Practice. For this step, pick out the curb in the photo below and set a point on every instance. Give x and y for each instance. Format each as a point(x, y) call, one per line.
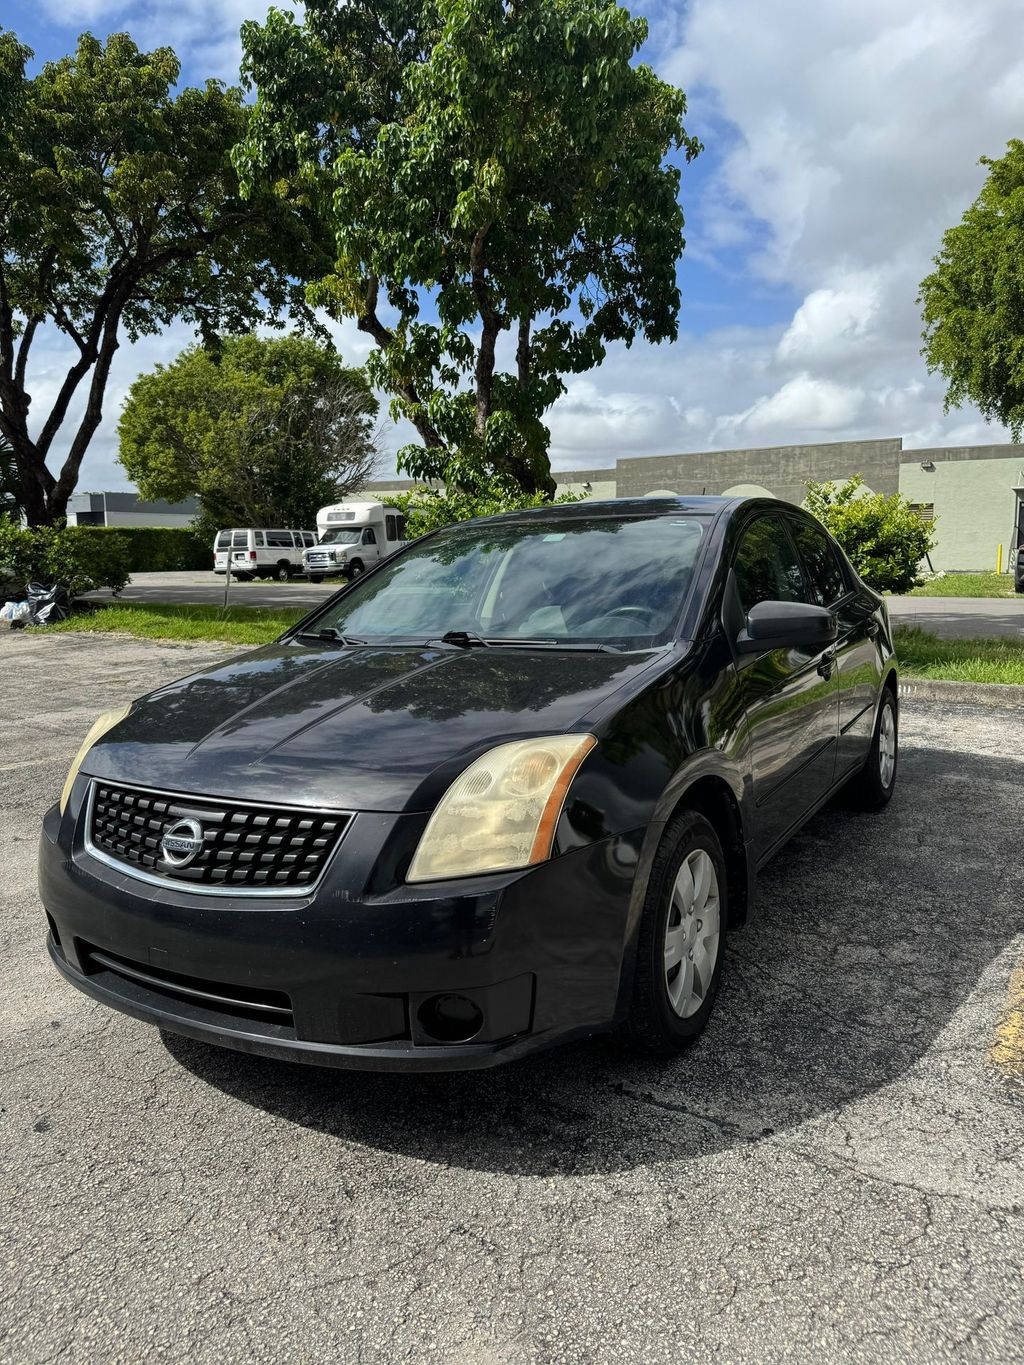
point(1000, 696)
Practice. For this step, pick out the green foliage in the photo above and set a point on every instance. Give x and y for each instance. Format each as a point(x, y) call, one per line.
point(160, 549)
point(119, 208)
point(264, 431)
point(883, 536)
point(10, 484)
point(924, 655)
point(973, 301)
point(428, 509)
point(479, 168)
point(161, 621)
point(74, 556)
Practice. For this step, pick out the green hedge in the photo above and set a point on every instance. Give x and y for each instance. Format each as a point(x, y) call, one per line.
point(164, 549)
point(72, 555)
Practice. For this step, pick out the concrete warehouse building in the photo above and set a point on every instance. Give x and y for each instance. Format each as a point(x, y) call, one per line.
point(128, 509)
point(975, 494)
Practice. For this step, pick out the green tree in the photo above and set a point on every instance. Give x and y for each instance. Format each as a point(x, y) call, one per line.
point(481, 168)
point(264, 430)
point(431, 509)
point(973, 301)
point(883, 536)
point(10, 486)
point(119, 211)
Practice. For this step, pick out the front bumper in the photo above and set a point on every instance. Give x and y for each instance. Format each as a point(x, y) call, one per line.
point(351, 975)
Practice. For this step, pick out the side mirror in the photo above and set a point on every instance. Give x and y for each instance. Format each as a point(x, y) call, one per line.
point(787, 625)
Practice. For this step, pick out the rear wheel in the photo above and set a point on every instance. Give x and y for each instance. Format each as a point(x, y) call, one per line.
point(682, 938)
point(873, 786)
point(283, 571)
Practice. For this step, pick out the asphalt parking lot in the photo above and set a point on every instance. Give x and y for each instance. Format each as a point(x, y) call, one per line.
point(833, 1174)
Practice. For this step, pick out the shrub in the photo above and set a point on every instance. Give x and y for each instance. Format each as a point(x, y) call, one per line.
point(162, 549)
point(70, 555)
point(882, 535)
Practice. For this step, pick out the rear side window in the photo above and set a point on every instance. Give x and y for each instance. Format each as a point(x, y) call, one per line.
point(391, 526)
point(240, 540)
point(828, 582)
point(257, 537)
point(280, 540)
point(766, 566)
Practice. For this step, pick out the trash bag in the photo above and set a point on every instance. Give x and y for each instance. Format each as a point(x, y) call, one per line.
point(16, 613)
point(47, 604)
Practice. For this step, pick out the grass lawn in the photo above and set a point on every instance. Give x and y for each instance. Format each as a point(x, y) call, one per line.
point(157, 621)
point(968, 585)
point(924, 655)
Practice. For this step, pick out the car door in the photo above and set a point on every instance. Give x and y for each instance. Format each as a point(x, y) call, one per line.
point(370, 551)
point(789, 695)
point(858, 657)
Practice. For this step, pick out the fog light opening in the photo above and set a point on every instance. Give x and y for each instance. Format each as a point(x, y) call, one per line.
point(450, 1018)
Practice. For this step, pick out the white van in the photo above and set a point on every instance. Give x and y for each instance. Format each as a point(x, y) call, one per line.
point(260, 553)
point(353, 537)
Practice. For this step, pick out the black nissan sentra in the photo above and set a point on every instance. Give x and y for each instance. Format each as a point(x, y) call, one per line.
point(510, 787)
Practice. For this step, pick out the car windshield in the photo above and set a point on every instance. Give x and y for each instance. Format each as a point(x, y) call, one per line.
point(350, 536)
point(620, 580)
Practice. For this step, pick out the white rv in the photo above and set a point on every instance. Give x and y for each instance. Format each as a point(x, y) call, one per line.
point(352, 537)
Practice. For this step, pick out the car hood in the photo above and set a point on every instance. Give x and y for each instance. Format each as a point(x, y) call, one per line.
point(363, 728)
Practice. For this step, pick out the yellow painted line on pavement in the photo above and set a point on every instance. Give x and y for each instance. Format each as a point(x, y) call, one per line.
point(1007, 1050)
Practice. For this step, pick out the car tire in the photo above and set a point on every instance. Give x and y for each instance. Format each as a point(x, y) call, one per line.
point(873, 786)
point(283, 572)
point(316, 578)
point(355, 570)
point(687, 891)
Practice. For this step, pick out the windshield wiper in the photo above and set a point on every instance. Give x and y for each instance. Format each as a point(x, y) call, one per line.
point(330, 635)
point(468, 639)
point(465, 639)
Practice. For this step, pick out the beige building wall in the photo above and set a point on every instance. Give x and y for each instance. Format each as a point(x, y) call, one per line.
point(971, 489)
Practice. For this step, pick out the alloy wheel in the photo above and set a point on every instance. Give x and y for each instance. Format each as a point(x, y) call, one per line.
point(692, 934)
point(887, 745)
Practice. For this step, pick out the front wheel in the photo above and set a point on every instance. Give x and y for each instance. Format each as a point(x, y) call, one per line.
point(873, 786)
point(355, 570)
point(682, 938)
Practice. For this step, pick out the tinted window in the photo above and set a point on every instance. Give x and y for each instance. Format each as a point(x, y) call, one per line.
point(369, 538)
point(308, 538)
point(257, 537)
point(828, 582)
point(766, 566)
point(622, 580)
point(223, 540)
point(281, 540)
point(240, 540)
point(390, 527)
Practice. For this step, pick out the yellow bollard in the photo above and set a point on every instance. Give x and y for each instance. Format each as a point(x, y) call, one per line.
point(999, 560)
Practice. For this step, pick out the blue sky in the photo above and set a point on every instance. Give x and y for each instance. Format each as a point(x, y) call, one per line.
point(841, 140)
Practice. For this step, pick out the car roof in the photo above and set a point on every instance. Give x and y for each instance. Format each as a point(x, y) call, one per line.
point(618, 507)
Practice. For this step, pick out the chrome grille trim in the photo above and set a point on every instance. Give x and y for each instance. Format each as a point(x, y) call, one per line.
point(192, 888)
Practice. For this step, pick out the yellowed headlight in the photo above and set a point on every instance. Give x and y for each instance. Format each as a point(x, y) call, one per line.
point(100, 726)
point(502, 811)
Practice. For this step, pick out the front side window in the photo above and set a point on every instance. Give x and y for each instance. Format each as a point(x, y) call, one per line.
point(369, 538)
point(766, 566)
point(623, 580)
point(828, 582)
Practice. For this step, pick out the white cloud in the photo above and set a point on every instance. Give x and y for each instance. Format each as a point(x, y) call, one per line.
point(847, 139)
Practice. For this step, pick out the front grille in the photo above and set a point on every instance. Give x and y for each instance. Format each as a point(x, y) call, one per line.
point(244, 847)
point(319, 561)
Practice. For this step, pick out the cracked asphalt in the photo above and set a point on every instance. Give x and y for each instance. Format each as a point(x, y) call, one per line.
point(833, 1174)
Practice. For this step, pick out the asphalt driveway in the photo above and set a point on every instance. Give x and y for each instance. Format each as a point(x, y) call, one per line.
point(833, 1174)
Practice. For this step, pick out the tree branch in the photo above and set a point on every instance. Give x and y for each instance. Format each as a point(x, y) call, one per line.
point(369, 322)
